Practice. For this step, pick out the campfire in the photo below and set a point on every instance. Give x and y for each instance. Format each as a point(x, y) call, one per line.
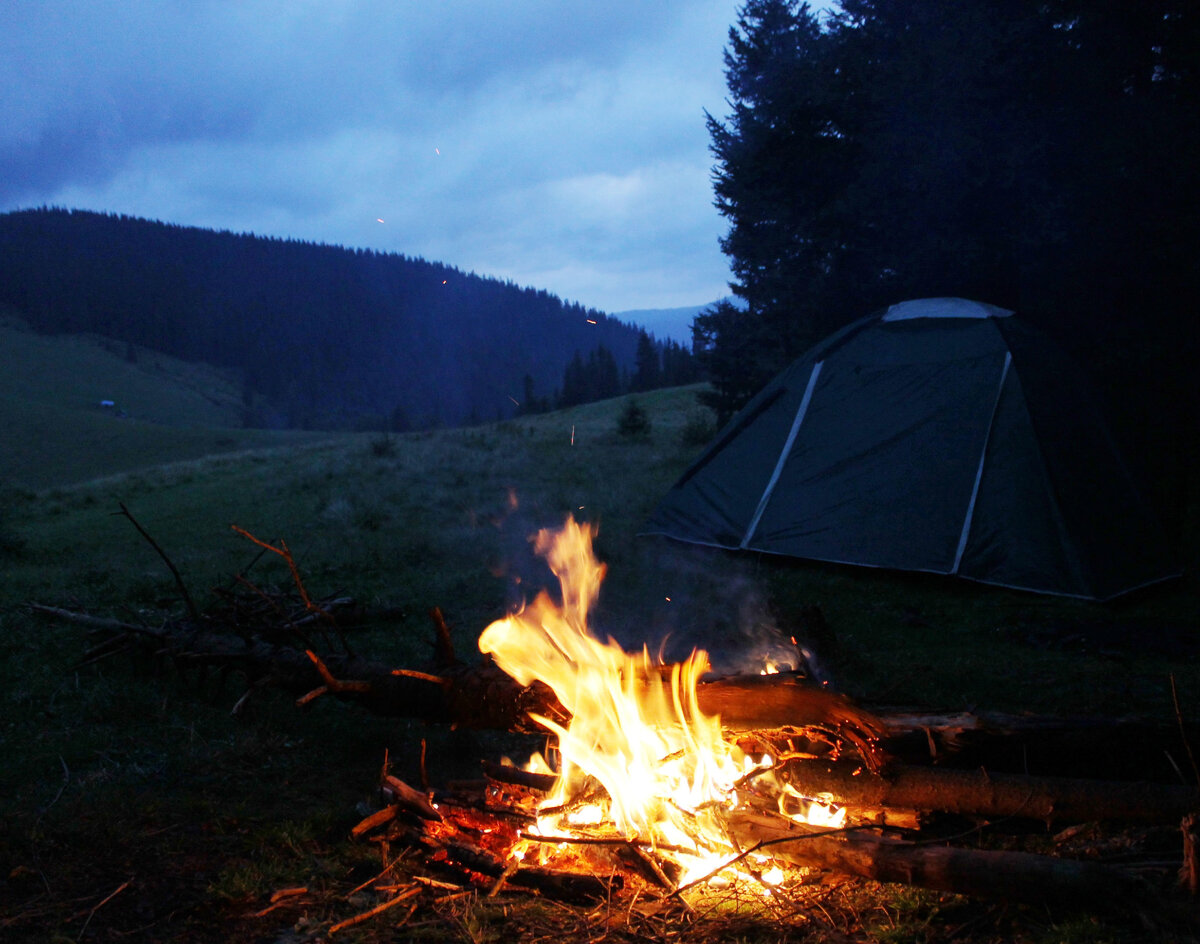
point(638, 778)
point(638, 759)
point(643, 783)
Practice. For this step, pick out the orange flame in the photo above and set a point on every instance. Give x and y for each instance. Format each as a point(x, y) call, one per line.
point(636, 727)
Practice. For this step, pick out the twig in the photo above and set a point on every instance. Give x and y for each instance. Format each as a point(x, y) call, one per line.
point(649, 862)
point(331, 684)
point(375, 820)
point(1189, 871)
point(503, 878)
point(443, 647)
point(86, 619)
point(378, 909)
point(762, 844)
point(183, 590)
point(284, 552)
point(616, 841)
point(423, 676)
point(280, 898)
point(1182, 730)
point(120, 888)
point(65, 781)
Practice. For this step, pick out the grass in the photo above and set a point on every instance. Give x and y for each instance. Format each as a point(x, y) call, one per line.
point(134, 772)
point(54, 430)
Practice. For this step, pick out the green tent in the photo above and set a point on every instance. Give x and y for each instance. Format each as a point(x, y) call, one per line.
point(940, 435)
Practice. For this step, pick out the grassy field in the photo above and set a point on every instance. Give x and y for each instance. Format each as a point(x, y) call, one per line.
point(128, 772)
point(54, 429)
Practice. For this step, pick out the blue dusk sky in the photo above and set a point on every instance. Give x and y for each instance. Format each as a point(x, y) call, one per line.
point(558, 144)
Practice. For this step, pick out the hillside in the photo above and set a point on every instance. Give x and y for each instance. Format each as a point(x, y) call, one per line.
point(318, 336)
point(55, 428)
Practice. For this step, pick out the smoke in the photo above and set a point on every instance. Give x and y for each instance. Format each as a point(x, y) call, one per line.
point(705, 598)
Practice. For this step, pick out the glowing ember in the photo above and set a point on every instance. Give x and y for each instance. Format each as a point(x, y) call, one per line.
point(638, 756)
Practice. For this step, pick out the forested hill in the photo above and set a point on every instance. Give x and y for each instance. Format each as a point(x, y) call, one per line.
point(324, 336)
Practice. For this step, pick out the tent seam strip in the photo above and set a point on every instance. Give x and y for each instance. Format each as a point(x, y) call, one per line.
point(987, 439)
point(783, 455)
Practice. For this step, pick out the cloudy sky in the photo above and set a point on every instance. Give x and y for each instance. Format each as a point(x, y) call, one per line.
point(557, 143)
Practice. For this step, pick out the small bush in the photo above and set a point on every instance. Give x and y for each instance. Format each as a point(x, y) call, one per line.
point(11, 543)
point(634, 422)
point(383, 446)
point(699, 428)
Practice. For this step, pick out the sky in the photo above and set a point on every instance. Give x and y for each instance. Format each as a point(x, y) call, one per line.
point(557, 143)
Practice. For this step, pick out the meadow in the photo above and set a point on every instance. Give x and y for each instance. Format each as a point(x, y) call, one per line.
point(130, 771)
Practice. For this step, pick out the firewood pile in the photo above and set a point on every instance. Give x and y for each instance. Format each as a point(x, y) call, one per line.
point(886, 813)
point(485, 835)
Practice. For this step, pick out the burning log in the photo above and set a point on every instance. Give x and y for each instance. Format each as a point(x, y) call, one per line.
point(980, 793)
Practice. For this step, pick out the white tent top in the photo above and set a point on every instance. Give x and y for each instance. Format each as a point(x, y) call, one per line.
point(943, 308)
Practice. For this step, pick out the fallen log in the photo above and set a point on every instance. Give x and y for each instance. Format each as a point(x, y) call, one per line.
point(1007, 876)
point(1106, 748)
point(479, 696)
point(991, 795)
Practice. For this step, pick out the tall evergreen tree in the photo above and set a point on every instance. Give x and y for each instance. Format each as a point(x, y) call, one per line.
point(780, 158)
point(1035, 155)
point(647, 373)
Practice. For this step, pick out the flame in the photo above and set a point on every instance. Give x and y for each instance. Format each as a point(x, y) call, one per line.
point(636, 729)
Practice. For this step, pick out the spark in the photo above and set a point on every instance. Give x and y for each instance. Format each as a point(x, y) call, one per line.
point(378, 219)
point(591, 321)
point(437, 151)
point(514, 400)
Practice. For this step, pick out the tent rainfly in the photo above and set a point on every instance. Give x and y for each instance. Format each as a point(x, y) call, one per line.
point(941, 435)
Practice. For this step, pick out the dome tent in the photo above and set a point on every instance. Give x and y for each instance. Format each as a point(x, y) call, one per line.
point(941, 435)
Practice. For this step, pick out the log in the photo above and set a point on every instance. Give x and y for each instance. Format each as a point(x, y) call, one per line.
point(1113, 748)
point(479, 696)
point(982, 793)
point(1007, 876)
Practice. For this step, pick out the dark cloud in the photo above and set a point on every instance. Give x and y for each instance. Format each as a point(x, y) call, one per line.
point(560, 145)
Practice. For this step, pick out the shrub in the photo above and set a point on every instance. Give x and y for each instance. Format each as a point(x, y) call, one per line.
point(699, 428)
point(634, 422)
point(383, 446)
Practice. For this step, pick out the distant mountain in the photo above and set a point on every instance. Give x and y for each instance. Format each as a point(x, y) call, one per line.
point(321, 336)
point(673, 324)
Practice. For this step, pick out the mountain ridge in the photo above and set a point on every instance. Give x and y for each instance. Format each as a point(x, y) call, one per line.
point(322, 336)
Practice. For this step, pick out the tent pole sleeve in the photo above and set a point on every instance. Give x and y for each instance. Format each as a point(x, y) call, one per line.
point(783, 454)
point(966, 528)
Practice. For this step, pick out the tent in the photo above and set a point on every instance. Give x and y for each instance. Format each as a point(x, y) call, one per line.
point(940, 435)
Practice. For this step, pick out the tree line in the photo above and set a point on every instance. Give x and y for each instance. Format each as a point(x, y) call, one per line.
point(1040, 155)
point(323, 336)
